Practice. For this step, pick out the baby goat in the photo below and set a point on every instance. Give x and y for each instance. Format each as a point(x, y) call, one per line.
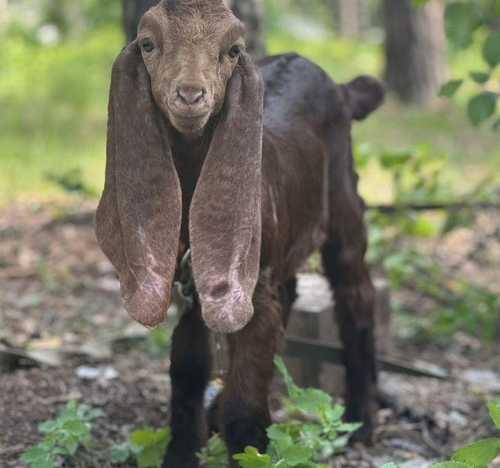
point(250, 167)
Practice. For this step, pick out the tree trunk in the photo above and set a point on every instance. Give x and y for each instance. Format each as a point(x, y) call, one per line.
point(132, 13)
point(415, 49)
point(4, 14)
point(349, 18)
point(251, 12)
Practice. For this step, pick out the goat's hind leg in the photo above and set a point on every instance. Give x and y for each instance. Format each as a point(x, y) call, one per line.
point(190, 373)
point(345, 266)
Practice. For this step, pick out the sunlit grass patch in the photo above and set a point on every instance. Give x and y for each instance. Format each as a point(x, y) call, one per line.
point(55, 101)
point(27, 166)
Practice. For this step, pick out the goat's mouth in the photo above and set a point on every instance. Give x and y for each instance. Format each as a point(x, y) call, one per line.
point(189, 122)
point(189, 116)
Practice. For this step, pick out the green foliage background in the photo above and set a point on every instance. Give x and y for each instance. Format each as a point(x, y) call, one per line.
point(55, 96)
point(53, 126)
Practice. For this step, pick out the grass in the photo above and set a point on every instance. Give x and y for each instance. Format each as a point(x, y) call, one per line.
point(26, 164)
point(444, 126)
point(56, 119)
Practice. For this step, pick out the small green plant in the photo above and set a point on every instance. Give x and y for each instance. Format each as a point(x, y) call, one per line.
point(479, 454)
point(159, 341)
point(214, 455)
point(146, 446)
point(417, 179)
point(313, 432)
point(63, 436)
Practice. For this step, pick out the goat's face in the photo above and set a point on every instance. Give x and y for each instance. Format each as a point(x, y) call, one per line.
point(185, 64)
point(190, 49)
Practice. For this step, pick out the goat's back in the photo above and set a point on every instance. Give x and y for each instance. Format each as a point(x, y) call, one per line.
point(298, 92)
point(299, 102)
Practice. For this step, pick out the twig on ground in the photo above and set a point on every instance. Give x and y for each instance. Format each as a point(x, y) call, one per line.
point(16, 273)
point(12, 450)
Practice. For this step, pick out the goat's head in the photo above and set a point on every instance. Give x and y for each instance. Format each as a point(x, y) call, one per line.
point(190, 49)
point(187, 65)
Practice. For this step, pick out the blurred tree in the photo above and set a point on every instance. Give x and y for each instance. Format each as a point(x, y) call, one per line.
point(101, 12)
point(4, 18)
point(56, 13)
point(415, 49)
point(132, 13)
point(349, 17)
point(74, 18)
point(251, 12)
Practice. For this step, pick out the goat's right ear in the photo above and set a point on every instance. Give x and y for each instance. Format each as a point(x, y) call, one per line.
point(363, 95)
point(139, 217)
point(225, 214)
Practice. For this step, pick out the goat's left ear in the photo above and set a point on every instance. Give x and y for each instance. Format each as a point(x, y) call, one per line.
point(363, 95)
point(225, 214)
point(138, 220)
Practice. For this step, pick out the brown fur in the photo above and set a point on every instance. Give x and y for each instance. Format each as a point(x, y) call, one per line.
point(145, 87)
point(199, 157)
point(192, 42)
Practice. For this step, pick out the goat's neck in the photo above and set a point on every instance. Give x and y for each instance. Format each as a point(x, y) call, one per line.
point(189, 155)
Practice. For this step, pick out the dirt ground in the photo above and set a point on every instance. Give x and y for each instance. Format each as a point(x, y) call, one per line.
point(59, 300)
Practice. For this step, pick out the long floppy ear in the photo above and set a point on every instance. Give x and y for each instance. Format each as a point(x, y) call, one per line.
point(225, 214)
point(139, 217)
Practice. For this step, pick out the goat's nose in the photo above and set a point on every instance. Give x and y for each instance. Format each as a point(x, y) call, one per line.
point(190, 95)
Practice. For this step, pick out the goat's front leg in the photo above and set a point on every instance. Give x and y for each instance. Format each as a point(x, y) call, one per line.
point(244, 403)
point(189, 373)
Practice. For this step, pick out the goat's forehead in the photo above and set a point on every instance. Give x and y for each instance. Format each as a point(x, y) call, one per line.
point(194, 24)
point(181, 6)
point(201, 27)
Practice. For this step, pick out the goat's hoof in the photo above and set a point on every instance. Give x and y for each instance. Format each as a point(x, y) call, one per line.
point(363, 435)
point(366, 416)
point(175, 460)
point(213, 419)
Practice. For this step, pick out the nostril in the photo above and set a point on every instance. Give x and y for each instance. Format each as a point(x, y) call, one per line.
point(219, 290)
point(190, 95)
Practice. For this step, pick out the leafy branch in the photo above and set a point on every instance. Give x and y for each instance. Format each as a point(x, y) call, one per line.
point(463, 20)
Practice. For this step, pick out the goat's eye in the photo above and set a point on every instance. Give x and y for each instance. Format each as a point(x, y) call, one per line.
point(147, 45)
point(235, 51)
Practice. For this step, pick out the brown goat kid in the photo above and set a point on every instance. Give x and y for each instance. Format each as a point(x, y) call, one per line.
point(250, 167)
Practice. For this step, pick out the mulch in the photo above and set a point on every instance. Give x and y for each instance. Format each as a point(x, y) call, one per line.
point(59, 296)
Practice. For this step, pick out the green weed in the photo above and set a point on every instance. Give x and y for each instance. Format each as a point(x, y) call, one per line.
point(63, 436)
point(479, 454)
point(314, 431)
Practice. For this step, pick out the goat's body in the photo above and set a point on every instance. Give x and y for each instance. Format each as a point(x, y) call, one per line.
point(186, 170)
point(309, 202)
point(295, 161)
point(296, 157)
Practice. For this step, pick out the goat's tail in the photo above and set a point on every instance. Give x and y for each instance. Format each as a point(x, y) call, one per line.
point(363, 95)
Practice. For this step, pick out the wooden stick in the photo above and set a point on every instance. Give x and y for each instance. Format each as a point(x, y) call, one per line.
point(321, 351)
point(390, 209)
